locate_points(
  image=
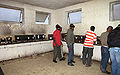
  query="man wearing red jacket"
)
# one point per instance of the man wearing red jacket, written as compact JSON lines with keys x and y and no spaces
{"x":57,"y":44}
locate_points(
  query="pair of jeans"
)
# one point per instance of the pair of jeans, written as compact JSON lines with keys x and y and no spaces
{"x":105,"y":58}
{"x":115,"y":58}
{"x":71,"y":53}
{"x":56,"y":53}
{"x":89,"y":52}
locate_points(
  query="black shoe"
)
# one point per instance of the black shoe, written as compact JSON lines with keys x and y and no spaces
{"x":106,"y":72}
{"x":88,"y":65}
{"x":54,"y":61}
{"x":62,"y":59}
{"x":83,"y":63}
{"x":63,"y":54}
{"x":72,"y":61}
{"x":70,"y":64}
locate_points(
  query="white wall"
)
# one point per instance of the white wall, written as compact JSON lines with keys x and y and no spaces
{"x":95,"y":12}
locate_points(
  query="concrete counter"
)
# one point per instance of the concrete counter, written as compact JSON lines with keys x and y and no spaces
{"x":78,"y":48}
{"x":25,"y":49}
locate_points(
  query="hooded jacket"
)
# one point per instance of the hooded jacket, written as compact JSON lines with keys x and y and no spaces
{"x":114,"y":38}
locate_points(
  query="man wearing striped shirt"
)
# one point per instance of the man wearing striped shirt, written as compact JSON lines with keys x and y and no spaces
{"x":88,"y":46}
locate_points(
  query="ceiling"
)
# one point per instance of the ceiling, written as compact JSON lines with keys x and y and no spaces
{"x":51,"y":4}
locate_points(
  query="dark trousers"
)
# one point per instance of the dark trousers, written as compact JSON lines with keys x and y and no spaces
{"x":57,"y":52}
{"x":89,"y":52}
{"x":1,"y":72}
{"x":105,"y":57}
{"x":71,"y":54}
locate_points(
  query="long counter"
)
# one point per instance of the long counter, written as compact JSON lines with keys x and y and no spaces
{"x":78,"y":48}
{"x":26,"y":49}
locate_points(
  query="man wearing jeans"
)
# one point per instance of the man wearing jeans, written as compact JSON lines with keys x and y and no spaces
{"x":105,"y":50}
{"x":70,"y":44}
{"x":114,"y":44}
{"x":88,"y":46}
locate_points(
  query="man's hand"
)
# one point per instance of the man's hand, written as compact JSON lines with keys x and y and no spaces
{"x":62,"y":45}
{"x":69,"y":49}
{"x":57,"y":46}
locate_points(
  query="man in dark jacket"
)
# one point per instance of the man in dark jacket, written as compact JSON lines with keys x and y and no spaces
{"x":114,"y":45}
{"x":70,"y":44}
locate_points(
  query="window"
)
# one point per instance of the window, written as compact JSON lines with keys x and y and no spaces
{"x":115,"y":11}
{"x":42,"y":18}
{"x":74,"y":17}
{"x":10,"y":15}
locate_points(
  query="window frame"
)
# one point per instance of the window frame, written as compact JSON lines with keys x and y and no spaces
{"x":15,"y":8}
{"x":111,"y":10}
{"x":49,"y":18}
{"x":72,"y":11}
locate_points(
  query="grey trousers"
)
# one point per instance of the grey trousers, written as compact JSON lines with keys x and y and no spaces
{"x":89,"y":52}
{"x":61,"y":50}
{"x":57,"y":52}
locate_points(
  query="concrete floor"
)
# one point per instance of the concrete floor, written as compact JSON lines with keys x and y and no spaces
{"x":43,"y":65}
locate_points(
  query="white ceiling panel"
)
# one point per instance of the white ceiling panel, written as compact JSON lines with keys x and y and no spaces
{"x":51,"y":4}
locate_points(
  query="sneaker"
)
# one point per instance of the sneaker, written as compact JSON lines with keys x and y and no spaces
{"x":70,"y":64}
{"x":62,"y":59}
{"x":103,"y":70}
{"x":106,"y":72}
{"x":84,"y":63}
{"x":88,"y":65}
{"x":73,"y":61}
{"x":54,"y":61}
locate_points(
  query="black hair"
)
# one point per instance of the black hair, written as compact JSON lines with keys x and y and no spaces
{"x":72,"y":25}
{"x":109,"y":27}
{"x":92,"y":28}
{"x":57,"y":26}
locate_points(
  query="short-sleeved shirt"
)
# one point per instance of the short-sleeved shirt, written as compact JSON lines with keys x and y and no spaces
{"x":57,"y":36}
{"x":90,"y":39}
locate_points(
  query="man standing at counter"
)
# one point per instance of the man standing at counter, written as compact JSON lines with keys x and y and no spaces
{"x":57,"y":43}
{"x":105,"y":50}
{"x":70,"y":44}
{"x":88,"y":46}
{"x":114,"y":44}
